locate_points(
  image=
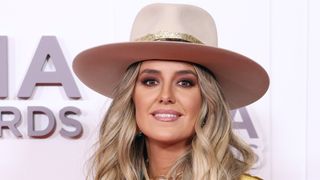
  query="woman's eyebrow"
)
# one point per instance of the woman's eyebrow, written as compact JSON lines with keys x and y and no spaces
{"x":150,"y":71}
{"x":182,"y":72}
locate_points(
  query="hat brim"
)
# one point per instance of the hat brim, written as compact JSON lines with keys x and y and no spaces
{"x":242,"y":80}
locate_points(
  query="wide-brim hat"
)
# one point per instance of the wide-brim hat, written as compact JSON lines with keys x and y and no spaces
{"x":173,"y":32}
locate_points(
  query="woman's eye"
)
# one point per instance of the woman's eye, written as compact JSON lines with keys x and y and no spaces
{"x":185,"y":83}
{"x":150,"y":82}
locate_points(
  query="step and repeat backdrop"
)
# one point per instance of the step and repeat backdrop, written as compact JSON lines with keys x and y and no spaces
{"x":49,"y":120}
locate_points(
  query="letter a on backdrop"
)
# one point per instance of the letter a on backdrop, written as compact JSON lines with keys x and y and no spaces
{"x":48,"y":49}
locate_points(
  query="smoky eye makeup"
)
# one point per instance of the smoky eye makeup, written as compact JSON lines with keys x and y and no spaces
{"x":186,"y":79}
{"x":148,"y":80}
{"x":187,"y":82}
{"x":182,"y":78}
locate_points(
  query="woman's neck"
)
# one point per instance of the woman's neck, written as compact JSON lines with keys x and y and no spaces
{"x":161,"y":157}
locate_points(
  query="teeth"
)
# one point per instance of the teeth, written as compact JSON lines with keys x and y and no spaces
{"x":166,"y":115}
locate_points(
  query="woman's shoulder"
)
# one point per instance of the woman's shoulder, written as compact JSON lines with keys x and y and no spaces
{"x":249,"y":177}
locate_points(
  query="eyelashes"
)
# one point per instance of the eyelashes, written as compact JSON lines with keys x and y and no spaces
{"x":185,"y":83}
{"x":149,"y":82}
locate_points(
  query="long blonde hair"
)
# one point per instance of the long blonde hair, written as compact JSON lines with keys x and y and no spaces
{"x":121,"y":152}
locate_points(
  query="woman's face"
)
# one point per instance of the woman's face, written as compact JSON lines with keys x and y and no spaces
{"x":167,"y":99}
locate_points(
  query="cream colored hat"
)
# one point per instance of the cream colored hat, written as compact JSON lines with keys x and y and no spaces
{"x":173,"y":32}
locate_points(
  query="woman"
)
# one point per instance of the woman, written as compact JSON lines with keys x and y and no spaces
{"x":172,"y":91}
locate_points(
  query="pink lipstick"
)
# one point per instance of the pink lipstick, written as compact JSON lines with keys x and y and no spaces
{"x":166,"y":115}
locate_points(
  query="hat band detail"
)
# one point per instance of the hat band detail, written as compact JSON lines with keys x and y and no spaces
{"x":169,"y":36}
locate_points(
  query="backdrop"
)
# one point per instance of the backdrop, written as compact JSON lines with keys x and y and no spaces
{"x":47,"y":131}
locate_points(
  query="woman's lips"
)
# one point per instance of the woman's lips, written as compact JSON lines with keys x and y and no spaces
{"x":166,"y":115}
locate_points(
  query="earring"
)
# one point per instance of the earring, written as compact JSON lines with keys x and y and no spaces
{"x":139,"y":134}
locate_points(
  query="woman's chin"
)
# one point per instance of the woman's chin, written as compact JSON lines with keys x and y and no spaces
{"x":166,"y":138}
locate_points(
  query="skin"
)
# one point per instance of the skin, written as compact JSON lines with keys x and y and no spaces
{"x":162,"y":88}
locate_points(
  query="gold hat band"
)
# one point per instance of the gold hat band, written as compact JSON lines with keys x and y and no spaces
{"x":169,"y":36}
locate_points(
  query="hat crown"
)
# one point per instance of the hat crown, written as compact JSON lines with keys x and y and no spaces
{"x":242,"y":81}
{"x":170,"y":20}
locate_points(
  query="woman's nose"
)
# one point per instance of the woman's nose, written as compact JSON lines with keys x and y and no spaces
{"x":167,"y":95}
{"x":167,"y":100}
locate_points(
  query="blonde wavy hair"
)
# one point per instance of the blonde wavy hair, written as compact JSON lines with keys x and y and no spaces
{"x":215,"y":153}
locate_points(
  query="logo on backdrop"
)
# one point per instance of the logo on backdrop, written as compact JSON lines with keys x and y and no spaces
{"x":244,"y":123}
{"x":49,"y":49}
